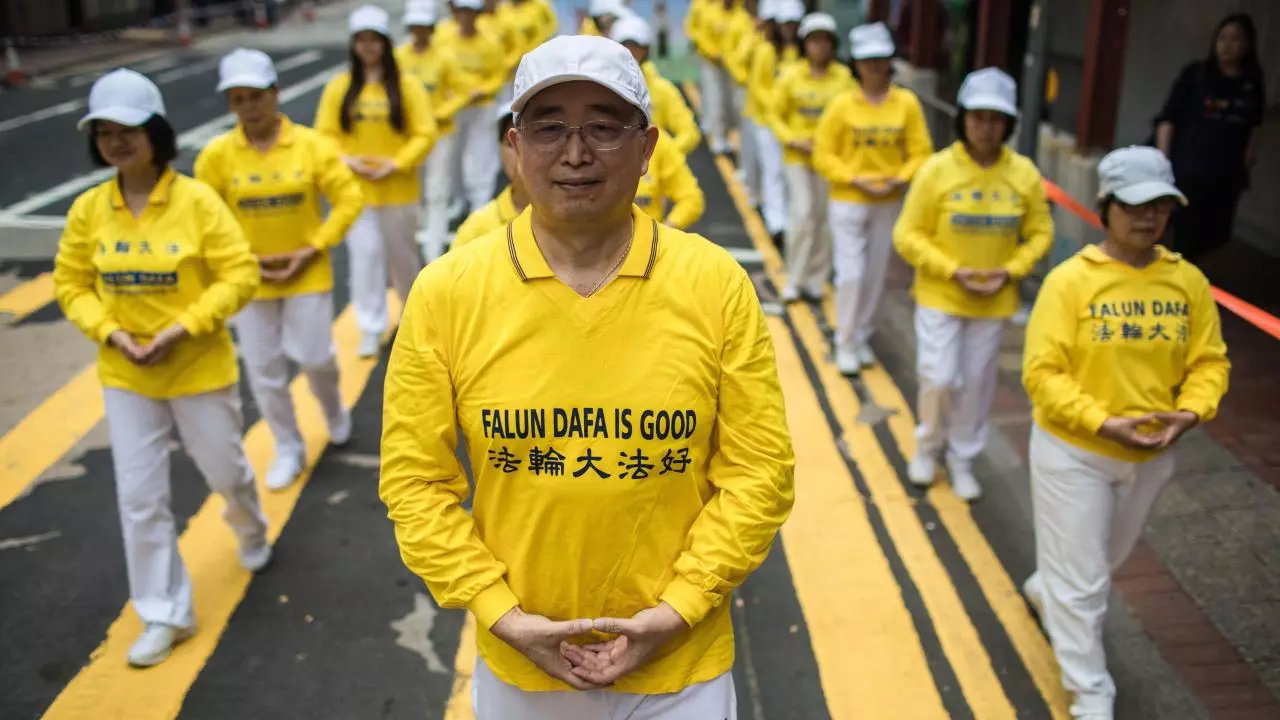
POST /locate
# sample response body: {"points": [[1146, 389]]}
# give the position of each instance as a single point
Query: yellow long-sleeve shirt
{"points": [[509, 38], [372, 135], [1106, 339], [275, 196], [764, 69], [670, 111], [960, 214], [495, 214], [708, 28], [799, 99], [740, 43], [440, 80], [480, 61], [860, 140], [669, 192], [535, 20], [677, 442], [183, 260], [693, 23]]}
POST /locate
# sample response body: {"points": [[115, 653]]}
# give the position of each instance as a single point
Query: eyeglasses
{"points": [[1159, 206], [599, 135]]}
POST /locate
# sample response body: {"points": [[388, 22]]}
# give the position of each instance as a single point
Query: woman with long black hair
{"points": [[1208, 128], [384, 126]]}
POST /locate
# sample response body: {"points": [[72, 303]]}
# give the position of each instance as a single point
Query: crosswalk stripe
{"points": [[28, 297], [106, 687], [48, 432]]}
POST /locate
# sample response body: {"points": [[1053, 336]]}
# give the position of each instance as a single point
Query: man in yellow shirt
{"points": [[675, 438], [670, 112], [708, 28]]}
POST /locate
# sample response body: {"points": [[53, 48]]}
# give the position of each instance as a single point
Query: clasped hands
{"points": [[369, 167], [594, 665], [152, 353], [983, 283], [878, 186]]}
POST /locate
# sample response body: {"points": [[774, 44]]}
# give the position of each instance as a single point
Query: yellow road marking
{"points": [[107, 688], [28, 297], [48, 432], [841, 577], [459, 705]]}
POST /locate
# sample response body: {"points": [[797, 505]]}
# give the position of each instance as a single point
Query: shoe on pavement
{"points": [[340, 432], [963, 483], [256, 558], [790, 294], [922, 469], [866, 358], [370, 345], [285, 468], [1033, 589], [847, 362], [155, 643]]}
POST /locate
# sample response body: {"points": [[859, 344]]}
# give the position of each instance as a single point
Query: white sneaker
{"points": [[257, 558], [155, 643], [340, 432], [922, 469], [285, 468], [847, 362], [963, 483], [370, 345], [1033, 589], [866, 358], [790, 294]]}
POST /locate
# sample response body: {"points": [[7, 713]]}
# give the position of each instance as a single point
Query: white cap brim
{"points": [[380, 29], [873, 51], [419, 20], [247, 80], [517, 105], [1145, 192], [127, 116], [991, 102]]}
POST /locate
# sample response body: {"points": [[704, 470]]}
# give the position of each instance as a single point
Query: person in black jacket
{"points": [[1209, 130]]}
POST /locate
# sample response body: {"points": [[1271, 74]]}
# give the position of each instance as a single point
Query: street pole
{"points": [[1033, 78]]}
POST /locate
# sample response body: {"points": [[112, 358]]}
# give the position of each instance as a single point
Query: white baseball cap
{"points": [[581, 57], [600, 8], [767, 9], [420, 12], [370, 17], [989, 89], [632, 28], [123, 96], [243, 68], [789, 11], [871, 41], [817, 22], [477, 5], [1137, 175]]}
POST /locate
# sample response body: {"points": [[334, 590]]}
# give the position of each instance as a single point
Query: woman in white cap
{"points": [[975, 222], [780, 48], [707, 25], [601, 15], [273, 175], [670, 112], [800, 96], [425, 56], [868, 145], [383, 124], [1124, 354], [150, 266]]}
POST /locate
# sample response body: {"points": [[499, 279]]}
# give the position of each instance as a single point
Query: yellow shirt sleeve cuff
{"points": [[105, 330], [1092, 418], [194, 327], [688, 600], [1203, 410], [492, 603]]}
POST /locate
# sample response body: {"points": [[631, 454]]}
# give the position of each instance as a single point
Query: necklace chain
{"points": [[625, 252]]}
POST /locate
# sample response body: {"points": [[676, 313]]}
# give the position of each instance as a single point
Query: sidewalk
{"points": [[1204, 585]]}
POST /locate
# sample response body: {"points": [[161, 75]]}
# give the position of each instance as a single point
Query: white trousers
{"points": [[862, 236], [381, 241], [437, 191], [273, 332], [749, 159], [1089, 513], [808, 248], [773, 180], [715, 699], [477, 153], [956, 364], [717, 89], [210, 425]]}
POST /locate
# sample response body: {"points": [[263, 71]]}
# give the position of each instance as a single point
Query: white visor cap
{"points": [[600, 8], [817, 22], [568, 58], [420, 12], [632, 28], [242, 68], [1137, 175], [989, 89], [370, 17], [871, 41], [477, 5], [125, 97], [789, 11]]}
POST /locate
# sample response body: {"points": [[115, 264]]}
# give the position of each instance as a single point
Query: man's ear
{"points": [[650, 142]]}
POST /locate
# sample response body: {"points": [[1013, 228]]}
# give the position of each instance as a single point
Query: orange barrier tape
{"points": [[1255, 316]]}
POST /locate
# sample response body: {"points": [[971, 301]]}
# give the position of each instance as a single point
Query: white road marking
{"points": [[52, 111], [193, 139], [297, 61], [360, 460], [186, 71], [27, 541], [338, 497], [155, 64], [746, 254], [415, 632], [33, 222]]}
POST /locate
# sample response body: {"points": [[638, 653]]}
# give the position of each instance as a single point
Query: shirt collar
{"points": [[967, 160], [1095, 254], [506, 205], [284, 139], [529, 263], [159, 193]]}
